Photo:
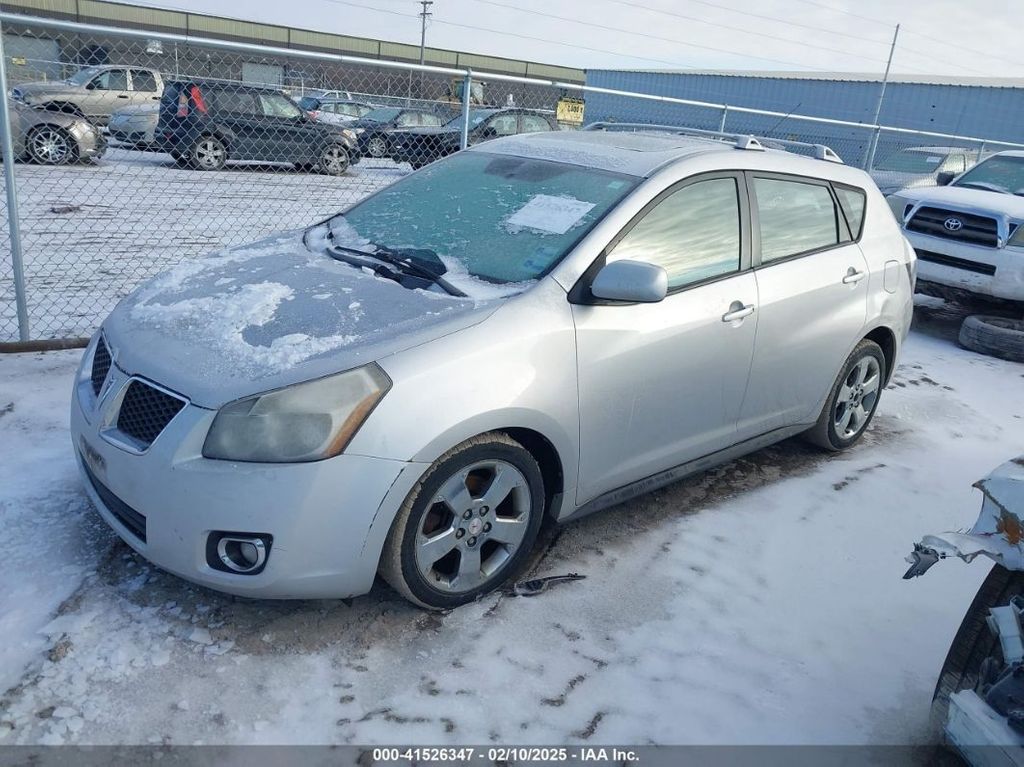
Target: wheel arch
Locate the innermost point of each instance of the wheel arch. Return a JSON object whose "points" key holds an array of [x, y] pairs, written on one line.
{"points": [[886, 339]]}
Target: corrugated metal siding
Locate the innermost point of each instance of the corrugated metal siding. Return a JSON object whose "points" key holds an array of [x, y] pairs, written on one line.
{"points": [[333, 43], [134, 16], [239, 30], [989, 112]]}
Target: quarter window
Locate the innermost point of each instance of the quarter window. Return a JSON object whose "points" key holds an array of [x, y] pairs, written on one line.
{"points": [[693, 234], [852, 203], [795, 217]]}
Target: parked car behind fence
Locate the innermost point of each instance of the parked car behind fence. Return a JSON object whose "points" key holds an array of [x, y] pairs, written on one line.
{"points": [[374, 129], [52, 138], [920, 166], [205, 124], [94, 92]]}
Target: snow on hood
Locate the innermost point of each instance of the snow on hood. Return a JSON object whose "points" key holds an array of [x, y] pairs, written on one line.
{"points": [[266, 315], [56, 86], [962, 197]]}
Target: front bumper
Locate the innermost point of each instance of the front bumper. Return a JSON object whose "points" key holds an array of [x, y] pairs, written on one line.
{"points": [[328, 519], [994, 272]]}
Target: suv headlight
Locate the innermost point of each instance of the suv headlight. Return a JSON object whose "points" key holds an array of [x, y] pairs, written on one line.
{"points": [[898, 206], [305, 422]]}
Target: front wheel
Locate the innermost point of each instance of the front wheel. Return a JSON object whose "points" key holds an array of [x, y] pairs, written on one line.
{"points": [[48, 145], [377, 147], [334, 160], [853, 400], [468, 525]]}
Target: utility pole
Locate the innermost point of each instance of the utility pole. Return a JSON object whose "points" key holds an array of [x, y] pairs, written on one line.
{"points": [[881, 97], [424, 15]]}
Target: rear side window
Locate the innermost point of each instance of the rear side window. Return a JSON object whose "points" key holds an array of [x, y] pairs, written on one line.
{"points": [[852, 201], [693, 234], [795, 217], [143, 80], [236, 102]]}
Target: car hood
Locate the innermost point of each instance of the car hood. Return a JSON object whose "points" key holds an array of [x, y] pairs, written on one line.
{"points": [[263, 316], [363, 123], [960, 197], [893, 180], [48, 88]]}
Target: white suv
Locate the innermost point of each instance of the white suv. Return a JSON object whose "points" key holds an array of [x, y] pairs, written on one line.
{"points": [[968, 234]]}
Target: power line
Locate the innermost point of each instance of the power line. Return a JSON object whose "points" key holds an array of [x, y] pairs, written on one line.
{"points": [[684, 42]]}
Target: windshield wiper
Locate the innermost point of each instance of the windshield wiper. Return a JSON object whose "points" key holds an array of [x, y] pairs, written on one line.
{"points": [[406, 266], [984, 185]]}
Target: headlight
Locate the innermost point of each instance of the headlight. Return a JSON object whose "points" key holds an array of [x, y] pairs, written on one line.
{"points": [[1017, 238], [305, 422], [898, 206], [348, 134]]}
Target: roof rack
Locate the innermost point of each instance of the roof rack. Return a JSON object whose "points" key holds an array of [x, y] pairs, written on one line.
{"points": [[739, 140]]}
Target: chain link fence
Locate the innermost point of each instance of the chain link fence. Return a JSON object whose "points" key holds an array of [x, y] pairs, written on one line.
{"points": [[136, 150]]}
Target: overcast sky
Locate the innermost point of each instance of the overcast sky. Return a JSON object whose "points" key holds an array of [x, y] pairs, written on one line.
{"points": [[948, 37]]}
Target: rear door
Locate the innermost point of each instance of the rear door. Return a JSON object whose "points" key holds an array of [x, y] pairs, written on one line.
{"points": [[144, 89], [812, 300], [290, 135], [240, 115], [661, 384]]}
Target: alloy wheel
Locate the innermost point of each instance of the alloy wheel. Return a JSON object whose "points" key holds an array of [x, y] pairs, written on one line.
{"points": [[50, 146], [857, 397], [334, 160], [377, 147], [476, 522], [210, 154]]}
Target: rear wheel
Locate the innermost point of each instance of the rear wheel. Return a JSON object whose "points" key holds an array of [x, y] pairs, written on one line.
{"points": [[334, 160], [208, 153], [377, 146], [49, 145], [468, 525], [852, 402]]}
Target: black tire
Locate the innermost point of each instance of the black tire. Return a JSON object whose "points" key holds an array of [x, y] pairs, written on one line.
{"points": [[973, 641], [208, 153], [50, 145], [334, 160], [995, 336], [398, 564], [825, 433]]}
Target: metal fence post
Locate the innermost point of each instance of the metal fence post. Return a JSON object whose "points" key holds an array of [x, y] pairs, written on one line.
{"points": [[467, 86], [17, 265], [869, 163], [721, 123]]}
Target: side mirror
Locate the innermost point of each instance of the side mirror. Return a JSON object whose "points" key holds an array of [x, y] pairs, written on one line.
{"points": [[945, 177], [633, 281]]}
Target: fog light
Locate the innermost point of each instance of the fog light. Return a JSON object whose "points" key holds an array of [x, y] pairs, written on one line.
{"points": [[243, 553]]}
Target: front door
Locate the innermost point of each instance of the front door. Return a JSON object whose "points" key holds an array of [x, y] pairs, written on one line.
{"points": [[662, 384], [812, 285], [290, 136], [107, 92]]}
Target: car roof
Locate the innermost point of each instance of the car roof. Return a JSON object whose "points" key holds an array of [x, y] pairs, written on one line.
{"points": [[642, 153], [211, 83]]}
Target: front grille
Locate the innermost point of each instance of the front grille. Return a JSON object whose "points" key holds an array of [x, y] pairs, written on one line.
{"points": [[957, 263], [974, 229], [126, 515], [146, 411], [100, 366]]}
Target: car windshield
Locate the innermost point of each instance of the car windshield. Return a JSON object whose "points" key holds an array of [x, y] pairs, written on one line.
{"points": [[84, 75], [1000, 173], [382, 115], [500, 218], [476, 116], [912, 162]]}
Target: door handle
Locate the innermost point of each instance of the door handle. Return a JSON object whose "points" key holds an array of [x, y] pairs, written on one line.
{"points": [[853, 276], [737, 311], [122, 96]]}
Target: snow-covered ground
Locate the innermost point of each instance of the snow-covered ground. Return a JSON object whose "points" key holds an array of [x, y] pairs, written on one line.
{"points": [[91, 233], [758, 603]]}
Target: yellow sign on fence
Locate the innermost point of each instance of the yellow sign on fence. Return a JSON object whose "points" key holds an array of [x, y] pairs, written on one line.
{"points": [[569, 110]]}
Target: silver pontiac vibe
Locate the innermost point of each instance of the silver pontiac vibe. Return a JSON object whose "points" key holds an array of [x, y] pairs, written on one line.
{"points": [[544, 325]]}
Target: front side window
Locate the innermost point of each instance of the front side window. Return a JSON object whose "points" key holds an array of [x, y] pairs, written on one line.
{"points": [[693, 234], [955, 163], [502, 125], [431, 120], [795, 217], [408, 120], [276, 105], [111, 80], [501, 219]]}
